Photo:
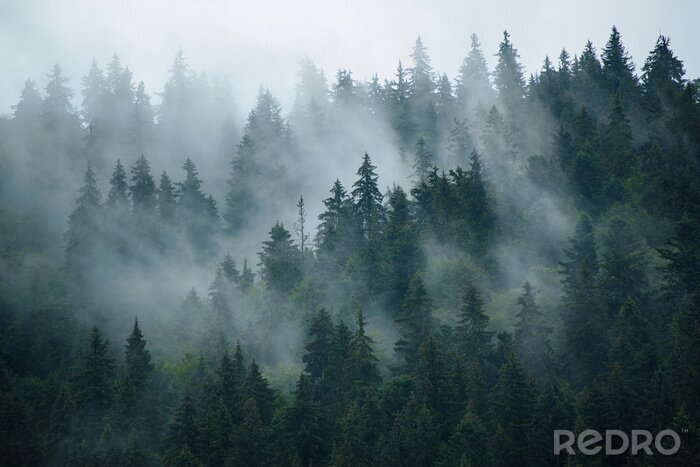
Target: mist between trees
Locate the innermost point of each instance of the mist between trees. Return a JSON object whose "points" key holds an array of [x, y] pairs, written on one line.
{"points": [[412, 270]]}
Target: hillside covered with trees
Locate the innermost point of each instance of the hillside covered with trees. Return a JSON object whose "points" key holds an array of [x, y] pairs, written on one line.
{"points": [[417, 270]]}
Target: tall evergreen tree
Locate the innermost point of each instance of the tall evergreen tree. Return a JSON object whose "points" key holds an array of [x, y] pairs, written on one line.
{"points": [[473, 81], [532, 335], [508, 76], [618, 68], [471, 335], [166, 197], [279, 260], [118, 196], [368, 198], [415, 321], [423, 161], [143, 188]]}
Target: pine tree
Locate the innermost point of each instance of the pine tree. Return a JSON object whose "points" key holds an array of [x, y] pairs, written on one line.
{"points": [[166, 197], [240, 198], [136, 398], [28, 110], [473, 81], [618, 68], [143, 188], [141, 126], [468, 444], [554, 410], [344, 89], [318, 348], [353, 449], [58, 115], [92, 381], [431, 377], [415, 321], [94, 89], [512, 412], [423, 161], [616, 143], [198, 211], [83, 225], [623, 266], [250, 440], [399, 99], [532, 335], [508, 76], [299, 227], [279, 261], [337, 235], [459, 143], [118, 197], [368, 198], [421, 74], [401, 252], [631, 365], [477, 205], [472, 338], [183, 433], [662, 76], [303, 428], [584, 319], [231, 373], [256, 386], [682, 254], [363, 366], [247, 277], [228, 267]]}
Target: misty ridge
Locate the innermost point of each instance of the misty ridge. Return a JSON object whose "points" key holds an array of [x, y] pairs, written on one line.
{"points": [[412, 270]]}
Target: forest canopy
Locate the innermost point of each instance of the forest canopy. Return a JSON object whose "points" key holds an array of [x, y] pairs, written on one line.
{"points": [[414, 269]]}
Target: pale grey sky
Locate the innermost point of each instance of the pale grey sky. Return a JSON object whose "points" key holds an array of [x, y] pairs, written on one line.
{"points": [[260, 42]]}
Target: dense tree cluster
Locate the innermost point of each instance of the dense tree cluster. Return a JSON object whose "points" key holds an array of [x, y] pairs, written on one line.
{"points": [[453, 321]]}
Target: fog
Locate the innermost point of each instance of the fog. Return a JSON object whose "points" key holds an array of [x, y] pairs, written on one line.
{"points": [[205, 68], [256, 43]]}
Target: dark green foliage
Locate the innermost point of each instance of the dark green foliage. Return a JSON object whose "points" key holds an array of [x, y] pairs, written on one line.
{"points": [[415, 321], [513, 403], [531, 335], [143, 188], [614, 344], [508, 76], [280, 260], [303, 428], [472, 339]]}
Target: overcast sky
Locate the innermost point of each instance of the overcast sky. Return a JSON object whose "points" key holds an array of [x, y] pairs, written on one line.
{"points": [[260, 42]]}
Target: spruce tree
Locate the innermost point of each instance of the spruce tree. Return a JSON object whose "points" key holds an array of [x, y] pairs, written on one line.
{"points": [[473, 81], [166, 197], [508, 76], [136, 376], [303, 427], [512, 413], [473, 340], [143, 188], [250, 440], [363, 367], [415, 322], [532, 335], [618, 68], [317, 354], [255, 386], [183, 433], [280, 260], [118, 196], [368, 198], [423, 161]]}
